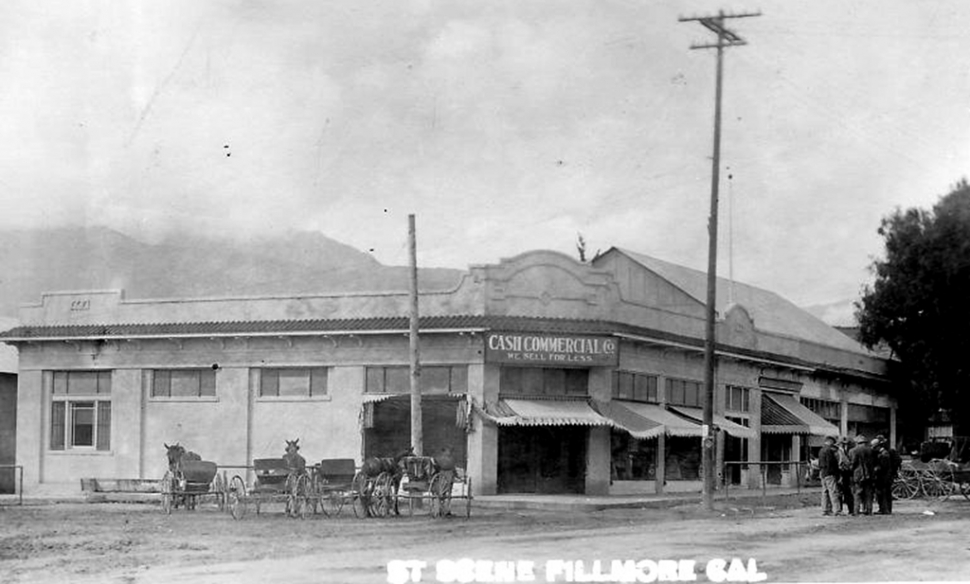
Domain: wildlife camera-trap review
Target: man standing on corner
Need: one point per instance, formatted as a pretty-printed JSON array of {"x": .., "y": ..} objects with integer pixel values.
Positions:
[
  {"x": 861, "y": 459},
  {"x": 828, "y": 471}
]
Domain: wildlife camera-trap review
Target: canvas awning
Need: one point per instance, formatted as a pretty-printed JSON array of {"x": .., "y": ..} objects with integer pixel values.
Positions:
[
  {"x": 543, "y": 412},
  {"x": 672, "y": 424},
  {"x": 732, "y": 428},
  {"x": 629, "y": 421},
  {"x": 783, "y": 414}
]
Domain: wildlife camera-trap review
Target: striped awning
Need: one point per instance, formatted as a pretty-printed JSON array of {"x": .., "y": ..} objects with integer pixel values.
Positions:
[
  {"x": 732, "y": 428},
  {"x": 783, "y": 414},
  {"x": 541, "y": 412},
  {"x": 673, "y": 425},
  {"x": 629, "y": 421}
]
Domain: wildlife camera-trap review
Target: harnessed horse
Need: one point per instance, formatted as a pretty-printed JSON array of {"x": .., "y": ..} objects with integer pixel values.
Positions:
[{"x": 176, "y": 455}]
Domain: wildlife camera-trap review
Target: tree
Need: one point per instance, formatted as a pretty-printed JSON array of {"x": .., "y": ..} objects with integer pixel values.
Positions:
[{"x": 919, "y": 305}]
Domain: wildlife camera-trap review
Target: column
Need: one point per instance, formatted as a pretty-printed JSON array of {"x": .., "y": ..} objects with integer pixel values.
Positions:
[{"x": 483, "y": 385}]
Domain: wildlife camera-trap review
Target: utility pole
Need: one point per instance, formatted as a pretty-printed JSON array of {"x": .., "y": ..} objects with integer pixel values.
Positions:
[
  {"x": 725, "y": 38},
  {"x": 417, "y": 431}
]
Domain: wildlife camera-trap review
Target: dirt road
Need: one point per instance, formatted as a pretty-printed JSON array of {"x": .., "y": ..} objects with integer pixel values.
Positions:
[{"x": 137, "y": 543}]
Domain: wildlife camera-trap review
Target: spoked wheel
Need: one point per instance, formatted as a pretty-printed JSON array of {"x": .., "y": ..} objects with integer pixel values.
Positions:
[
  {"x": 360, "y": 498},
  {"x": 167, "y": 490},
  {"x": 380, "y": 499},
  {"x": 218, "y": 487},
  {"x": 299, "y": 498},
  {"x": 333, "y": 503},
  {"x": 440, "y": 490},
  {"x": 906, "y": 485},
  {"x": 934, "y": 486},
  {"x": 236, "y": 497}
]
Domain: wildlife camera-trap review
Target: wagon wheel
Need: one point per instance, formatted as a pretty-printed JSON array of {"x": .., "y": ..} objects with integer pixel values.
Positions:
[
  {"x": 360, "y": 495},
  {"x": 167, "y": 490},
  {"x": 440, "y": 490},
  {"x": 964, "y": 488},
  {"x": 236, "y": 497},
  {"x": 333, "y": 503},
  {"x": 933, "y": 485},
  {"x": 218, "y": 488},
  {"x": 317, "y": 483},
  {"x": 468, "y": 497},
  {"x": 906, "y": 485},
  {"x": 380, "y": 497}
]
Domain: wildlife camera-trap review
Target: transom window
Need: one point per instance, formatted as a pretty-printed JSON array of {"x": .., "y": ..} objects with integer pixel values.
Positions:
[
  {"x": 293, "y": 382},
  {"x": 543, "y": 381},
  {"x": 635, "y": 386},
  {"x": 80, "y": 410},
  {"x": 183, "y": 383},
  {"x": 433, "y": 379},
  {"x": 737, "y": 399},
  {"x": 830, "y": 410},
  {"x": 683, "y": 392}
]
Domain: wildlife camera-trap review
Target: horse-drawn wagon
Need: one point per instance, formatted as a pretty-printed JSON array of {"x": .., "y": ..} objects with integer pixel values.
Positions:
[
  {"x": 189, "y": 479},
  {"x": 938, "y": 478},
  {"x": 435, "y": 481},
  {"x": 277, "y": 480}
]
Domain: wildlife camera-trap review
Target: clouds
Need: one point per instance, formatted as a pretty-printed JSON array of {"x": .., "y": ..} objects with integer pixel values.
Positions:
[{"x": 503, "y": 126}]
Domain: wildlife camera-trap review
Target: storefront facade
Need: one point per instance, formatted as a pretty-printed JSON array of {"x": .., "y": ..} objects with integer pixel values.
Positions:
[{"x": 540, "y": 373}]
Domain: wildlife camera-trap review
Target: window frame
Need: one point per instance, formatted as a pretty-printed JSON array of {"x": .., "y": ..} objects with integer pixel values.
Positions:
[
  {"x": 743, "y": 396},
  {"x": 151, "y": 376},
  {"x": 65, "y": 406},
  {"x": 683, "y": 387},
  {"x": 379, "y": 375},
  {"x": 543, "y": 382},
  {"x": 643, "y": 387},
  {"x": 258, "y": 378}
]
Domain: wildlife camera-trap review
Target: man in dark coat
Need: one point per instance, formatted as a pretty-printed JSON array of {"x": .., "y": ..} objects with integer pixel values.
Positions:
[
  {"x": 887, "y": 466},
  {"x": 863, "y": 469},
  {"x": 828, "y": 471},
  {"x": 845, "y": 475}
]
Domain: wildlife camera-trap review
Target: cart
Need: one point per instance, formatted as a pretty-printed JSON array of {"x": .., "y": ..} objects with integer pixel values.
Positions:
[
  {"x": 934, "y": 479},
  {"x": 332, "y": 486},
  {"x": 425, "y": 481},
  {"x": 190, "y": 481},
  {"x": 275, "y": 483}
]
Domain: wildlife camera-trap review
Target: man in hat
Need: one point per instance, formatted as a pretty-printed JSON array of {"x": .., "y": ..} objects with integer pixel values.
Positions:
[
  {"x": 887, "y": 466},
  {"x": 862, "y": 462},
  {"x": 828, "y": 471},
  {"x": 845, "y": 474}
]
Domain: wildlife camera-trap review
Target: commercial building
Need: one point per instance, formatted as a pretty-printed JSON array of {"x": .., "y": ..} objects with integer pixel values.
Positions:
[{"x": 543, "y": 374}]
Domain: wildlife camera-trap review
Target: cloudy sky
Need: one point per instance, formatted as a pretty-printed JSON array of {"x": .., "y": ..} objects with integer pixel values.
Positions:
[{"x": 504, "y": 126}]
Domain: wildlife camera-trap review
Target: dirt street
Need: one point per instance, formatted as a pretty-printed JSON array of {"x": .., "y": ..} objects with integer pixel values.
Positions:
[{"x": 137, "y": 543}]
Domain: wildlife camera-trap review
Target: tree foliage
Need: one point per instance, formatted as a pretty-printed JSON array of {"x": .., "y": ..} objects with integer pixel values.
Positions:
[{"x": 919, "y": 304}]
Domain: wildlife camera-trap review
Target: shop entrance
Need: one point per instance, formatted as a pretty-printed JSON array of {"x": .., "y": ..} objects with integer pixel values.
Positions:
[
  {"x": 542, "y": 459},
  {"x": 387, "y": 429}
]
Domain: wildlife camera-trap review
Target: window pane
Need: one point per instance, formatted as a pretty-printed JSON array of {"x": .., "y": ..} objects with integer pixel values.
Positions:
[
  {"x": 435, "y": 379},
  {"x": 269, "y": 382},
  {"x": 294, "y": 382},
  {"x": 533, "y": 381},
  {"x": 577, "y": 382},
  {"x": 161, "y": 383},
  {"x": 691, "y": 397},
  {"x": 104, "y": 382},
  {"x": 398, "y": 379},
  {"x": 745, "y": 396},
  {"x": 652, "y": 389},
  {"x": 554, "y": 382},
  {"x": 374, "y": 382},
  {"x": 104, "y": 425},
  {"x": 57, "y": 425},
  {"x": 459, "y": 379},
  {"x": 640, "y": 387},
  {"x": 82, "y": 382},
  {"x": 625, "y": 382},
  {"x": 510, "y": 380},
  {"x": 676, "y": 391},
  {"x": 82, "y": 424},
  {"x": 207, "y": 381},
  {"x": 318, "y": 381},
  {"x": 185, "y": 383},
  {"x": 60, "y": 382}
]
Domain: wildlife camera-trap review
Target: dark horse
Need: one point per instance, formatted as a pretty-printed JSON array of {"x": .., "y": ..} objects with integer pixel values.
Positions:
[
  {"x": 177, "y": 454},
  {"x": 375, "y": 465}
]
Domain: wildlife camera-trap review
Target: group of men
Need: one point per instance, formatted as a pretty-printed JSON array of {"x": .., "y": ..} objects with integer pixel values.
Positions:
[{"x": 852, "y": 477}]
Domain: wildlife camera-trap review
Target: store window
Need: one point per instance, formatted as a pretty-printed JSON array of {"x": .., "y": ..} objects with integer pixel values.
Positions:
[
  {"x": 293, "y": 382},
  {"x": 434, "y": 379},
  {"x": 632, "y": 459},
  {"x": 635, "y": 386},
  {"x": 737, "y": 399},
  {"x": 182, "y": 383},
  {"x": 683, "y": 392},
  {"x": 80, "y": 410},
  {"x": 539, "y": 381}
]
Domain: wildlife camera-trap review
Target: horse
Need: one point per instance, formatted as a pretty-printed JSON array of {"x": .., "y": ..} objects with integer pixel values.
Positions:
[
  {"x": 176, "y": 455},
  {"x": 375, "y": 465}
]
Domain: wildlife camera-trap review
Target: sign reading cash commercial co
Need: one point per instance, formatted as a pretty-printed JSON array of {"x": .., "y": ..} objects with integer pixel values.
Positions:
[{"x": 551, "y": 349}]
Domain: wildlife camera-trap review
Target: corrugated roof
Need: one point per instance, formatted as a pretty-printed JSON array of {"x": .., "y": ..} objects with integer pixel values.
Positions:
[
  {"x": 769, "y": 311},
  {"x": 783, "y": 414}
]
